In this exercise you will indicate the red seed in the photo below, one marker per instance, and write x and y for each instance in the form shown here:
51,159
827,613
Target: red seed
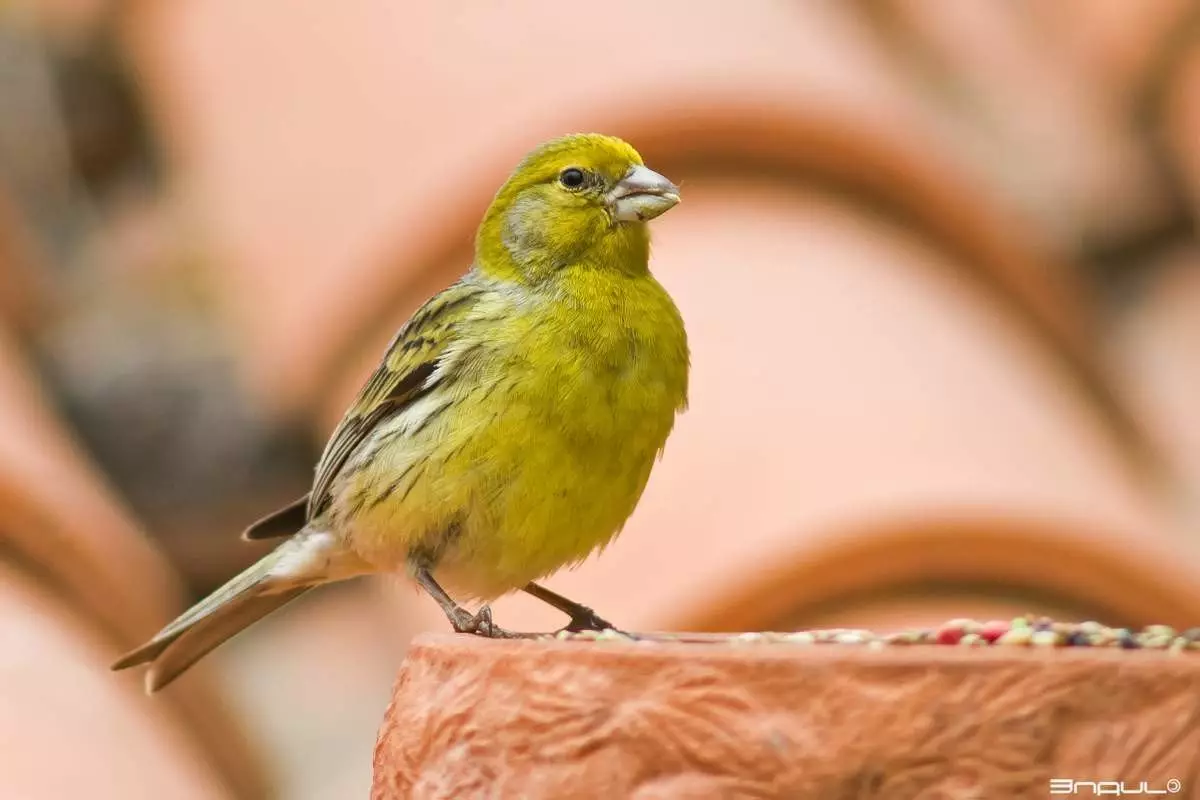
949,634
994,629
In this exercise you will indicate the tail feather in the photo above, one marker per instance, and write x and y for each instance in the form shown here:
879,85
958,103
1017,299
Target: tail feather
197,641
244,582
305,560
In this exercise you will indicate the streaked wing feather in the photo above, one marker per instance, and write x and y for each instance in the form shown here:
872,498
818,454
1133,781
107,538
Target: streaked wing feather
403,376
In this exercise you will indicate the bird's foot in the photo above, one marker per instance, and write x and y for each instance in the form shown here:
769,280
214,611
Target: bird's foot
480,623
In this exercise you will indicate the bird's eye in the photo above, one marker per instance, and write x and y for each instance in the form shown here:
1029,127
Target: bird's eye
572,178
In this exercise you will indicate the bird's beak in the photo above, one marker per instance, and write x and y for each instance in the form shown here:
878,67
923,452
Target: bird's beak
642,195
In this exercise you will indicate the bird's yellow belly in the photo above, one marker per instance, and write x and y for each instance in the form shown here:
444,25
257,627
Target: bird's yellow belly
493,502
553,500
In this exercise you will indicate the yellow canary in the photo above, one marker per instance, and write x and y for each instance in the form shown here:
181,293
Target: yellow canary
512,424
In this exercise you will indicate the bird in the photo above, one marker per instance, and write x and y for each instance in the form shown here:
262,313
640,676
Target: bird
511,426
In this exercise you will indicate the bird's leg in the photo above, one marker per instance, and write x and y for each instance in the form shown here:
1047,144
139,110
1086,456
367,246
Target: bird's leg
582,617
463,621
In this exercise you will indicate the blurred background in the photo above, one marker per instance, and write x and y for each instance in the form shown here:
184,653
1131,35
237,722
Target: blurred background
938,262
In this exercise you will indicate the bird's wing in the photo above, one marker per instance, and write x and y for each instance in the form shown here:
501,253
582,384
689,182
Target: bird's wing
407,372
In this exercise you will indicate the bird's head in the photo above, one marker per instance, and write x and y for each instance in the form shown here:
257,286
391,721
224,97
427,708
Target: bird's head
581,199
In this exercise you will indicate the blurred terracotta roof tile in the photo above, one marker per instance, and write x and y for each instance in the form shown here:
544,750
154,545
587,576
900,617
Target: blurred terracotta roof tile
70,728
1115,44
1156,342
25,299
1037,120
63,528
324,145
1182,118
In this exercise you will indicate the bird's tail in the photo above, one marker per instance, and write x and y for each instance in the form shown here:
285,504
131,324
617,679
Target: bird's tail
299,564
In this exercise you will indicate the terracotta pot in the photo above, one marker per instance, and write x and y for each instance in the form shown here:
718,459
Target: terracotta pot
87,586
864,413
473,718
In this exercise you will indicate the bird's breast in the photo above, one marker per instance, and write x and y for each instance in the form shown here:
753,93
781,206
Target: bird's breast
615,359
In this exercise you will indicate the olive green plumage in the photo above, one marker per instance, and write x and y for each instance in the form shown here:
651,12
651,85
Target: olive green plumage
513,422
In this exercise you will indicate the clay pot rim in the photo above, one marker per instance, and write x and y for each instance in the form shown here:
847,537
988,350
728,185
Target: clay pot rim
454,645
1073,558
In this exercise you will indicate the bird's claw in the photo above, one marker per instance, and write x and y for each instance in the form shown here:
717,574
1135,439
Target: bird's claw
480,624
466,622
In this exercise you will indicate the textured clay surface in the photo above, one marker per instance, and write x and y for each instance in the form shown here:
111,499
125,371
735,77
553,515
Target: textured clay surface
548,719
